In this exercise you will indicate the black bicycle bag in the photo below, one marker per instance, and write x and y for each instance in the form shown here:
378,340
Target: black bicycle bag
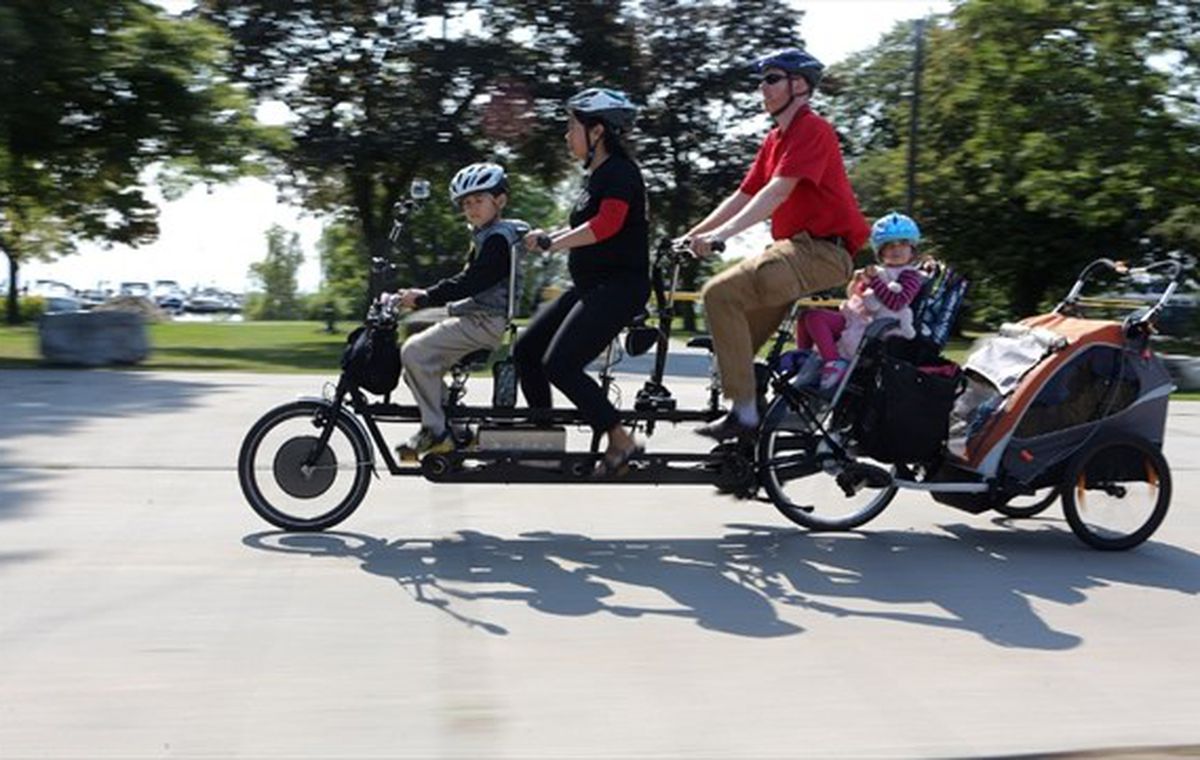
371,359
906,414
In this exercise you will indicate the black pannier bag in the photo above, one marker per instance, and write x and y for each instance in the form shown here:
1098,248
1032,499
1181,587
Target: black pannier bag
905,415
372,359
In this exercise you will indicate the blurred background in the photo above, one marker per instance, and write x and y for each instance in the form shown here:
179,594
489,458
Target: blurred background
1026,136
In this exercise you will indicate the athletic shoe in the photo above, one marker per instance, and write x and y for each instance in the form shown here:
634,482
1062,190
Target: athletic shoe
426,442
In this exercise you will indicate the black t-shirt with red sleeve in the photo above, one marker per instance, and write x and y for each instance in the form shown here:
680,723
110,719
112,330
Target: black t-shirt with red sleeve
626,252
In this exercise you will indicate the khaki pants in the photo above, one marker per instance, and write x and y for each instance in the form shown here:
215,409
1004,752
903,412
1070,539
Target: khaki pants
745,303
426,356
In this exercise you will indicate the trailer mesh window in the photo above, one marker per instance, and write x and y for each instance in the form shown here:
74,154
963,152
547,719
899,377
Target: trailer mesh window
1097,383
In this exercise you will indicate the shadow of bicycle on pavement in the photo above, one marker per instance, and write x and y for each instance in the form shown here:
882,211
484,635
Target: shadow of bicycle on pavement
760,581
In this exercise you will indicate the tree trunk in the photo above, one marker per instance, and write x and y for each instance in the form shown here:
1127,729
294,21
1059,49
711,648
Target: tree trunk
1026,293
12,314
680,212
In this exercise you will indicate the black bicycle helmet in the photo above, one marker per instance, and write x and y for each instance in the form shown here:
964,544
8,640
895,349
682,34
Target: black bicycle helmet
793,61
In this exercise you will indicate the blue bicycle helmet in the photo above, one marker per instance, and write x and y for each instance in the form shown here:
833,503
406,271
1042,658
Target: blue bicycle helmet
893,227
793,61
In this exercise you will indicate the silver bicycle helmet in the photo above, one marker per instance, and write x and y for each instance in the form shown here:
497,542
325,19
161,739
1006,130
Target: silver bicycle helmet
612,107
478,178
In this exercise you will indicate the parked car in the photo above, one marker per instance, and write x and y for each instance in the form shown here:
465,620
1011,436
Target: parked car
58,296
169,296
136,289
1180,317
206,301
93,297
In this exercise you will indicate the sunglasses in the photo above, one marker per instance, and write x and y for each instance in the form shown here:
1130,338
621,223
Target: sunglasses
773,78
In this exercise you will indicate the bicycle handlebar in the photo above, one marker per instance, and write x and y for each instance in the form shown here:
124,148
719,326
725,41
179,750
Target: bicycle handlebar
1121,268
678,250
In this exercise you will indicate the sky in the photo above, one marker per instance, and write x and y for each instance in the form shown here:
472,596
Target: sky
210,237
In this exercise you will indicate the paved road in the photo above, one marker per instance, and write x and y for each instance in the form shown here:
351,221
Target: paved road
146,612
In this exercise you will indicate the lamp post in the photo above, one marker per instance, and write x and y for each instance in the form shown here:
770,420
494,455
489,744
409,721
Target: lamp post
915,108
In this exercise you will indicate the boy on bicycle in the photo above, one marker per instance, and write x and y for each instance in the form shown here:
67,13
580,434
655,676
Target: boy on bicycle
476,299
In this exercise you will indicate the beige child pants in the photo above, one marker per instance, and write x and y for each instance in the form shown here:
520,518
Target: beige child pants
426,357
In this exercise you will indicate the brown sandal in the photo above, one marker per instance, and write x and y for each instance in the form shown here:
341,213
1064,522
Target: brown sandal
615,463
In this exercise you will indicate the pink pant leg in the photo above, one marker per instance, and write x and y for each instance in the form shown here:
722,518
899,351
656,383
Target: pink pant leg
803,339
824,326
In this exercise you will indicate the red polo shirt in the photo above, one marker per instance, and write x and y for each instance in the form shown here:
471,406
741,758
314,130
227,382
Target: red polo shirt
822,203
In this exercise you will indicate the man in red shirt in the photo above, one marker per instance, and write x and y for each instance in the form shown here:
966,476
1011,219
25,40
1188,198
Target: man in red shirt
798,181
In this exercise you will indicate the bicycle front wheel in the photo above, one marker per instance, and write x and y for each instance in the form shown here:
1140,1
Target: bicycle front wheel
808,484
292,480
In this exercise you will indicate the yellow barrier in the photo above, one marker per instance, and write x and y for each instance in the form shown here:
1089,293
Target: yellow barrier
1112,303
550,293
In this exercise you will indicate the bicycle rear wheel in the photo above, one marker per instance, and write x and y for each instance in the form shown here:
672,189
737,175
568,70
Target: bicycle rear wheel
294,482
808,484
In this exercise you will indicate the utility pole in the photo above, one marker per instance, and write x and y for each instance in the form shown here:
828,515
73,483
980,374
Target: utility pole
915,109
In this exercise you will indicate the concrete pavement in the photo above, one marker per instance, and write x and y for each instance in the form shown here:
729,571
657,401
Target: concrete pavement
145,611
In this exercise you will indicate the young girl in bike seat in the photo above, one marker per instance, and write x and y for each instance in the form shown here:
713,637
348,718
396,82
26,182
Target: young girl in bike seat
609,261
476,299
875,291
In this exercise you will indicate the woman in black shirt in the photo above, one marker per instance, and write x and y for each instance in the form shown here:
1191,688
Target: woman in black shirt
608,240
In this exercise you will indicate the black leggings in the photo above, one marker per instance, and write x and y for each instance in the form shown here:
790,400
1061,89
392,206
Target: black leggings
567,334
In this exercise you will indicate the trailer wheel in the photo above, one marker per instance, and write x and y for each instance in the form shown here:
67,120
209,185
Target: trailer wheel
1029,505
1116,492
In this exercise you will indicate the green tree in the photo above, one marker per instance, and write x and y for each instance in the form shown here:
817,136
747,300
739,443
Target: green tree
384,92
95,93
1052,133
343,272
381,95
276,274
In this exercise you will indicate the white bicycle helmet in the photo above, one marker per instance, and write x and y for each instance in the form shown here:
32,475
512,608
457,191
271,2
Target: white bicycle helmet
478,178
612,107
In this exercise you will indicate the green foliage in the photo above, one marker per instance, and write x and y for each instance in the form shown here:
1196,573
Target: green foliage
344,269
94,93
276,274
30,309
1048,138
380,99
1181,227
